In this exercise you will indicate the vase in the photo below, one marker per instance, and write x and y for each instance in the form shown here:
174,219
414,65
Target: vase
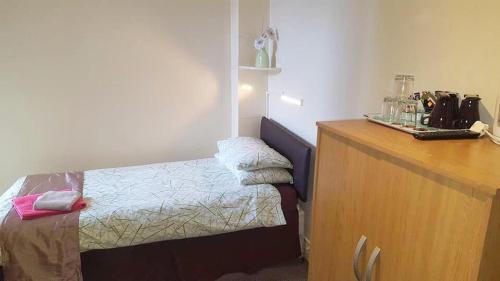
262,59
273,48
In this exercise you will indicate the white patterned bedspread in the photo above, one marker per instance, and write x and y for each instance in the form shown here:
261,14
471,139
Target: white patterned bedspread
176,200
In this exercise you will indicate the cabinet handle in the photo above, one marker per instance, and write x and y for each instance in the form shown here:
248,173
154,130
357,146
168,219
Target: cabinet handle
371,263
355,263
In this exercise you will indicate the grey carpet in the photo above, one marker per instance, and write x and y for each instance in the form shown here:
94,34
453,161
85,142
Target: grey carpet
289,272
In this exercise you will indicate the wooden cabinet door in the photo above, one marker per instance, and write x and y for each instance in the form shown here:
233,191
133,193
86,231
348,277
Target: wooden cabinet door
428,228
332,241
360,207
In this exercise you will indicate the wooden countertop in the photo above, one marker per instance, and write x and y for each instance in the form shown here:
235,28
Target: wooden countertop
475,163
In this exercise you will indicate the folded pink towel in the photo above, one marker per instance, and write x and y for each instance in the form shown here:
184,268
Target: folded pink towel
24,207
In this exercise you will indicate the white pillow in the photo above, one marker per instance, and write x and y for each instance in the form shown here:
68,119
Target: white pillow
246,153
261,176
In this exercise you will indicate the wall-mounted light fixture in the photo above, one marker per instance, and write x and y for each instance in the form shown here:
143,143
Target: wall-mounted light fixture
284,98
246,87
292,100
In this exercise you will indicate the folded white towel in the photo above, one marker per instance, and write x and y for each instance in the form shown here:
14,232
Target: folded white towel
57,200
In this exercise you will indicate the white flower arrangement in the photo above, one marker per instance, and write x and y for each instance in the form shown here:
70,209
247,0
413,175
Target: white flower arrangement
268,34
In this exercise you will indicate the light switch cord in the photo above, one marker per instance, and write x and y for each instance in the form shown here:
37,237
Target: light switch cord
493,138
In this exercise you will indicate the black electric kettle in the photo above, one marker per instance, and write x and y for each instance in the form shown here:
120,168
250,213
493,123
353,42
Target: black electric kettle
445,111
469,112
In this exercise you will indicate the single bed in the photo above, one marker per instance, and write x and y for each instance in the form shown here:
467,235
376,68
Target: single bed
189,220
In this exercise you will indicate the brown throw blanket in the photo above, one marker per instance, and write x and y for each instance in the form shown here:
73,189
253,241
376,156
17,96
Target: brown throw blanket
44,249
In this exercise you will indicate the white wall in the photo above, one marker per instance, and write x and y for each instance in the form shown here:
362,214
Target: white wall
447,44
253,18
235,53
319,51
340,55
89,84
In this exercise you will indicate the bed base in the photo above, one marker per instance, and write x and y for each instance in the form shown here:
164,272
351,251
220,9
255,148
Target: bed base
197,259
203,258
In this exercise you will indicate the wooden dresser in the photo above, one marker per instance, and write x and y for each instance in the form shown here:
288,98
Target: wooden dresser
392,208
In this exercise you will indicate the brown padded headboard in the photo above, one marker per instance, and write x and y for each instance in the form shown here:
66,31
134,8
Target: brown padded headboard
297,150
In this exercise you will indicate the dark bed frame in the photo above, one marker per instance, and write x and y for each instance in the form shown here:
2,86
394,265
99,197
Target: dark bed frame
208,258
294,148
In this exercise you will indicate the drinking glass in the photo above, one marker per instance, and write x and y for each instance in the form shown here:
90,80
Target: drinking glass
420,115
409,113
387,109
403,85
396,112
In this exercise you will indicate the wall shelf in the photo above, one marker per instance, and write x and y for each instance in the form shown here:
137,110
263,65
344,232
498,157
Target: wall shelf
271,70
